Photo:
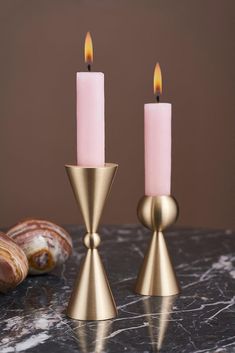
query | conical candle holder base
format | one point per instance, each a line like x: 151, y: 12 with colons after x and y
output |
x: 157, y: 275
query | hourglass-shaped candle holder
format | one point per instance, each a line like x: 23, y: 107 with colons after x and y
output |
x: 157, y: 275
x: 91, y: 297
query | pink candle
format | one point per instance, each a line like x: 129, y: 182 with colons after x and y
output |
x: 90, y: 114
x: 157, y: 126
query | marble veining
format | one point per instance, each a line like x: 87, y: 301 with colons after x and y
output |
x: 200, y: 320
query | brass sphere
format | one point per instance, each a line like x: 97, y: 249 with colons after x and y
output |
x: 92, y: 240
x: 157, y: 212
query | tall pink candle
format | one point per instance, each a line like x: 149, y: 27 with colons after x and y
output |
x: 90, y: 119
x: 90, y: 113
x: 157, y: 126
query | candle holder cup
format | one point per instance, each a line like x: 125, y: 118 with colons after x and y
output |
x: 157, y: 276
x: 91, y: 297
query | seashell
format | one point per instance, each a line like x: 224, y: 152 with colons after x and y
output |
x: 13, y: 263
x: 45, y: 244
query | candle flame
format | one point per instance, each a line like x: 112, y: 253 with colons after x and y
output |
x: 88, y: 49
x: 157, y: 80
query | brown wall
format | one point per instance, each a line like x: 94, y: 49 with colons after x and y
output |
x: 41, y: 48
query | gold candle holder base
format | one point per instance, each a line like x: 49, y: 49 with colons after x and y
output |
x: 157, y: 275
x: 91, y: 297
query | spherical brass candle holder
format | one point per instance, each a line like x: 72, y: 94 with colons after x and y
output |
x: 91, y: 297
x: 157, y: 275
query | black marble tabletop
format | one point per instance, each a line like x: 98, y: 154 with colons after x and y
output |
x: 200, y: 320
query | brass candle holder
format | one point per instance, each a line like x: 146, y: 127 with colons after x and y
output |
x: 157, y: 275
x: 91, y: 297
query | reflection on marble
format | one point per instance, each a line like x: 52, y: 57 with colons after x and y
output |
x: 200, y: 320
x: 93, y: 338
x: 158, y: 324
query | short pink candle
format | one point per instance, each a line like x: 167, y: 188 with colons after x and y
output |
x: 157, y: 127
x: 90, y: 119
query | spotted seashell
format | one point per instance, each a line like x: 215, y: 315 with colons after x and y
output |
x: 45, y: 244
x: 13, y: 263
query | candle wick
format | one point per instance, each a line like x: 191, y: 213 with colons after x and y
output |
x: 158, y: 98
x: 89, y: 67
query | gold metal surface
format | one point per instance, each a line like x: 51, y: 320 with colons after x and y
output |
x: 91, y: 298
x: 157, y: 275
